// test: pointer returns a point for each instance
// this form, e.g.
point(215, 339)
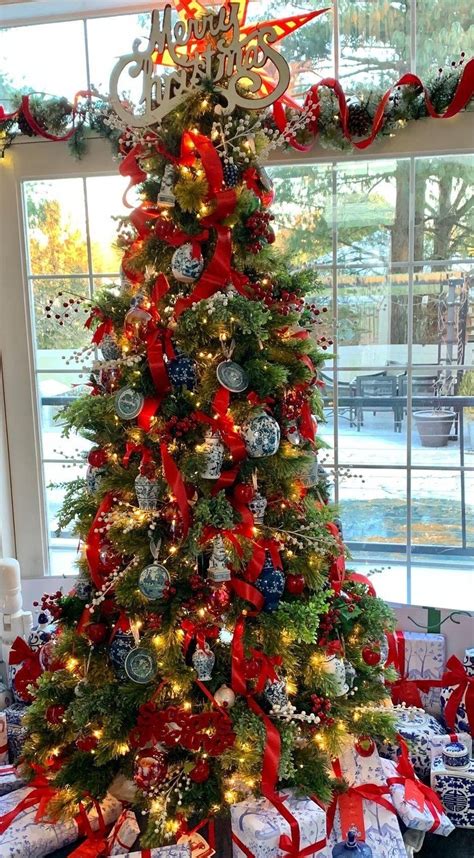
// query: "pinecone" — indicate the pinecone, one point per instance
point(359, 120)
point(231, 174)
point(23, 125)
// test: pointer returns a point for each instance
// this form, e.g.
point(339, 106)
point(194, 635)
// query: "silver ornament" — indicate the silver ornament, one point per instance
point(225, 697)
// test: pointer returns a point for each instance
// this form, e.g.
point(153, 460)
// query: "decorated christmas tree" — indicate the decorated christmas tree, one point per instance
point(215, 645)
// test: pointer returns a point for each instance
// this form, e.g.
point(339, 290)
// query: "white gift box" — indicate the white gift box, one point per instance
point(181, 850)
point(419, 731)
point(25, 838)
point(410, 812)
point(124, 833)
point(460, 722)
point(382, 830)
point(258, 825)
point(10, 780)
point(425, 657)
point(3, 739)
point(456, 791)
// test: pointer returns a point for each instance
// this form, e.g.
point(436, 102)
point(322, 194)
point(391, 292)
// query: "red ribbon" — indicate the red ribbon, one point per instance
point(199, 632)
point(257, 560)
point(38, 129)
point(130, 449)
point(225, 427)
point(266, 668)
point(130, 169)
point(158, 343)
point(461, 98)
point(41, 794)
point(150, 407)
point(415, 790)
point(96, 843)
point(253, 182)
point(350, 803)
point(404, 690)
point(106, 326)
point(210, 532)
point(30, 671)
point(95, 540)
point(463, 687)
point(175, 482)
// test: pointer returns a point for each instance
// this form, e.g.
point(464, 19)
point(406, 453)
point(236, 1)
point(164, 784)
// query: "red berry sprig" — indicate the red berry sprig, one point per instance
point(321, 707)
point(61, 308)
point(261, 233)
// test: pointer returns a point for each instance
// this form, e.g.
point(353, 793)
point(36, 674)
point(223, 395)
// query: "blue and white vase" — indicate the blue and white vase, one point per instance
point(352, 847)
point(185, 267)
point(110, 348)
point(275, 693)
point(94, 477)
point(203, 660)
point(261, 435)
point(120, 647)
point(455, 788)
point(214, 451)
point(461, 724)
point(182, 371)
point(456, 756)
point(271, 583)
point(147, 492)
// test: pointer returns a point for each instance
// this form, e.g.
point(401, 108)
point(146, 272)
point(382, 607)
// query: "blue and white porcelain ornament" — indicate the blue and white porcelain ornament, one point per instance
point(232, 376)
point(147, 490)
point(455, 788)
point(110, 348)
point(218, 569)
point(461, 722)
point(182, 371)
point(352, 847)
point(122, 643)
point(128, 403)
point(153, 581)
point(213, 449)
point(257, 507)
point(334, 666)
point(138, 314)
point(275, 693)
point(83, 589)
point(225, 697)
point(271, 584)
point(41, 632)
point(261, 435)
point(166, 198)
point(94, 477)
point(418, 729)
point(203, 660)
point(186, 265)
point(140, 666)
point(6, 696)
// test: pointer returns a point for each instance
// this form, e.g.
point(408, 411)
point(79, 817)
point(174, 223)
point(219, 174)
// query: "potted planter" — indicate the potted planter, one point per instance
point(434, 426)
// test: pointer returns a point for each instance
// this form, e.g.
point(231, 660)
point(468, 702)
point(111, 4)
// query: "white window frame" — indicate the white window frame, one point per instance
point(23, 527)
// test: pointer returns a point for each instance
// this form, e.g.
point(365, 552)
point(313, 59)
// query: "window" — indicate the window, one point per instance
point(390, 245)
point(387, 235)
point(70, 251)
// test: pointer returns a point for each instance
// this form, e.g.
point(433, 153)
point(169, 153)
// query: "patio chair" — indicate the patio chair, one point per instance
point(377, 384)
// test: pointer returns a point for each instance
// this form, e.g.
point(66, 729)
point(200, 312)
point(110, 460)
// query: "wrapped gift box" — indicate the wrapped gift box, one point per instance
point(411, 805)
point(456, 791)
point(439, 742)
point(182, 850)
point(459, 678)
point(25, 838)
point(419, 730)
point(258, 826)
point(418, 655)
point(16, 731)
point(380, 828)
point(124, 833)
point(10, 780)
point(3, 739)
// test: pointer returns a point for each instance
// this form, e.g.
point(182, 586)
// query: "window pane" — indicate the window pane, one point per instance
point(443, 304)
point(444, 29)
point(372, 212)
point(109, 38)
point(373, 505)
point(436, 417)
point(430, 574)
point(375, 41)
point(436, 508)
point(56, 225)
point(105, 205)
point(32, 57)
point(444, 207)
point(57, 389)
point(387, 572)
point(63, 546)
point(59, 320)
point(303, 212)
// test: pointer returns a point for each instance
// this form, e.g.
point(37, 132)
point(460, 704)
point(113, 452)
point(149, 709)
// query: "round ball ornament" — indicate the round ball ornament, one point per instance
point(371, 655)
point(154, 581)
point(96, 632)
point(151, 768)
point(261, 435)
point(201, 771)
point(182, 371)
point(219, 600)
point(244, 492)
point(48, 658)
point(231, 174)
point(232, 376)
point(140, 666)
point(295, 584)
point(128, 403)
point(186, 266)
point(86, 743)
point(225, 697)
point(55, 713)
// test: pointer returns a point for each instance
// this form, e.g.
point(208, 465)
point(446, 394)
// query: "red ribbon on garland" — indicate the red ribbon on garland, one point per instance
point(30, 671)
point(462, 96)
point(94, 540)
point(106, 325)
point(175, 481)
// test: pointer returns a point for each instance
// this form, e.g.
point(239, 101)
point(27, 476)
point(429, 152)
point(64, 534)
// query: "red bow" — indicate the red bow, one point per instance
point(463, 687)
point(350, 803)
point(225, 427)
point(199, 632)
point(41, 792)
point(106, 326)
point(266, 668)
point(415, 790)
point(130, 449)
point(30, 671)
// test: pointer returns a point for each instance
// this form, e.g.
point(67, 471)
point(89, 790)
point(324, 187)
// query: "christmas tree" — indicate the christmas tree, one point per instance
point(215, 645)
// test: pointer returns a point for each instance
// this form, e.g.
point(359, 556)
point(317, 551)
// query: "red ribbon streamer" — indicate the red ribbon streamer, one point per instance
point(350, 803)
point(106, 326)
point(404, 690)
point(130, 449)
point(30, 671)
point(415, 790)
point(224, 426)
point(95, 539)
point(41, 794)
point(175, 481)
point(462, 96)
